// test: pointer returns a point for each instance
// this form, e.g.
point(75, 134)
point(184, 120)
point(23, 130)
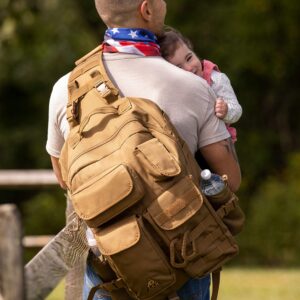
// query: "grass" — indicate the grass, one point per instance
point(260, 284)
point(246, 284)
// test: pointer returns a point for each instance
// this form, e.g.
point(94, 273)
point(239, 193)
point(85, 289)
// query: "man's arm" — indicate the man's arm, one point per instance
point(222, 159)
point(57, 172)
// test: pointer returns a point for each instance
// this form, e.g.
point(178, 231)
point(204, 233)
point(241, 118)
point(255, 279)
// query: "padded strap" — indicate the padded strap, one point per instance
point(97, 79)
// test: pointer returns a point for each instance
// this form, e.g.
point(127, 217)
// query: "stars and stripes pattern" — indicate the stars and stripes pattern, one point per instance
point(131, 40)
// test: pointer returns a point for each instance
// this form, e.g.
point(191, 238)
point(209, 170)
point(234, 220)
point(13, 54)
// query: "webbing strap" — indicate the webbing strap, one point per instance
point(216, 276)
point(173, 296)
point(87, 65)
point(98, 76)
point(197, 231)
point(107, 286)
point(221, 212)
point(225, 209)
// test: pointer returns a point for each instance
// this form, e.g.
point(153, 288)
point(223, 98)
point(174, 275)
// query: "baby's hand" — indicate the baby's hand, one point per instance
point(221, 108)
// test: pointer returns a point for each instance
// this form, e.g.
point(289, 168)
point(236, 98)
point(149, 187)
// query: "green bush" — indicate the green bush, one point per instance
point(272, 235)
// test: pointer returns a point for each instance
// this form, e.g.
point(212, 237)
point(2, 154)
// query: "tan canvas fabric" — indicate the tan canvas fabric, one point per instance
point(135, 182)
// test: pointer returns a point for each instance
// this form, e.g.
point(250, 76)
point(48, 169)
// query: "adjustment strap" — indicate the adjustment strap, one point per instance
point(225, 209)
point(216, 276)
point(173, 296)
point(107, 286)
point(203, 225)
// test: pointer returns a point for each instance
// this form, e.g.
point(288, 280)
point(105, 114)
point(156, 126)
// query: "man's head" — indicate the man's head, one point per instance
point(148, 14)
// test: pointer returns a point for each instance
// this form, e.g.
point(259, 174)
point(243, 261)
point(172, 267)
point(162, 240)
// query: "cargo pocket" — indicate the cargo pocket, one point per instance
point(198, 241)
point(107, 195)
point(136, 258)
point(157, 160)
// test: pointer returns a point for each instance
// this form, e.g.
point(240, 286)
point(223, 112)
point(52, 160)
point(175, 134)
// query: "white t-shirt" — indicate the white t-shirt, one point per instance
point(185, 97)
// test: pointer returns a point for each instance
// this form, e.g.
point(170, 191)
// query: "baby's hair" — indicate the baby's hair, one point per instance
point(170, 41)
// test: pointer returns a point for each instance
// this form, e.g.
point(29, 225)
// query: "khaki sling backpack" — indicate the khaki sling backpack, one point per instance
point(133, 180)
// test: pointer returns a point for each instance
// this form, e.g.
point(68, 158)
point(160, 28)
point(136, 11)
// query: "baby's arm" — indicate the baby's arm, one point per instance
point(229, 110)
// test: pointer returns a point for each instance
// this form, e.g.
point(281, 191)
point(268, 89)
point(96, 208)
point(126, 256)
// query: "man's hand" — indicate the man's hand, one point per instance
point(57, 172)
point(221, 108)
point(222, 159)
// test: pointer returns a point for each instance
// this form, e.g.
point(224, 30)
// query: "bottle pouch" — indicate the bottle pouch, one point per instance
point(136, 258)
point(226, 203)
point(106, 195)
point(198, 240)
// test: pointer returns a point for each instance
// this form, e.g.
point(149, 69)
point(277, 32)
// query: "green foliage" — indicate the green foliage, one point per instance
point(44, 213)
point(39, 42)
point(271, 235)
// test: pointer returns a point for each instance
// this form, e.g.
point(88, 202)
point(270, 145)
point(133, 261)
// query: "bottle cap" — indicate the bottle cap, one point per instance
point(206, 174)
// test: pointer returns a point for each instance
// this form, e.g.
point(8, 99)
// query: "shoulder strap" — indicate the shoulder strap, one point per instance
point(215, 283)
point(88, 74)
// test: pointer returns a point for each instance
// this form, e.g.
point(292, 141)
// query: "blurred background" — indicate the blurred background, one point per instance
point(255, 42)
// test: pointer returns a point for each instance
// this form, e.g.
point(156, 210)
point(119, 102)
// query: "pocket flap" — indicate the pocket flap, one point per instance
point(118, 237)
point(177, 205)
point(159, 158)
point(99, 195)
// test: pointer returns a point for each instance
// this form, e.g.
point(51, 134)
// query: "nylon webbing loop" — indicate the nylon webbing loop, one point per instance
point(107, 286)
point(225, 209)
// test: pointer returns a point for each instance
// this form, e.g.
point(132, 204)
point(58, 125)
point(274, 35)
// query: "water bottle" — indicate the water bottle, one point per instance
point(92, 242)
point(218, 193)
point(211, 184)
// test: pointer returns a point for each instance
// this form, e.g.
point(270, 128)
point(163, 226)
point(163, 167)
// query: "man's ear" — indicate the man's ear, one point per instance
point(146, 10)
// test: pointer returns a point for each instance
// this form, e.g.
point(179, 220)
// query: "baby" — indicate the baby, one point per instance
point(178, 50)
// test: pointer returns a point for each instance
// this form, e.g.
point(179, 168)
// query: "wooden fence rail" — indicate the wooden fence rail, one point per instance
point(27, 178)
point(12, 242)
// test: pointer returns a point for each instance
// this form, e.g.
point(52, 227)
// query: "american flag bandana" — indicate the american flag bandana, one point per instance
point(131, 40)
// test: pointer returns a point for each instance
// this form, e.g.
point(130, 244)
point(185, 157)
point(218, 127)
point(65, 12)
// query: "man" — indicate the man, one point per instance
point(137, 72)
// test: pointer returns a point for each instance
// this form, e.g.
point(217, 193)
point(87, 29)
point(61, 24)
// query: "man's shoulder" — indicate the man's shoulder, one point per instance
point(186, 81)
point(61, 83)
point(155, 65)
point(59, 94)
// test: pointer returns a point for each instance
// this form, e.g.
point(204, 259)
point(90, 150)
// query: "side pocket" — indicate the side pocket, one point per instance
point(136, 258)
point(177, 205)
point(198, 240)
point(106, 195)
point(157, 160)
point(228, 209)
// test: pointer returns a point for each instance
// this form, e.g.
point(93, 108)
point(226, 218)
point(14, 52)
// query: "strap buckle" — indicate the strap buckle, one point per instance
point(185, 243)
point(102, 88)
point(174, 263)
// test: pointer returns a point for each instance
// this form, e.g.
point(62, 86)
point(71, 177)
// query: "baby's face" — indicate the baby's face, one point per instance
point(186, 59)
